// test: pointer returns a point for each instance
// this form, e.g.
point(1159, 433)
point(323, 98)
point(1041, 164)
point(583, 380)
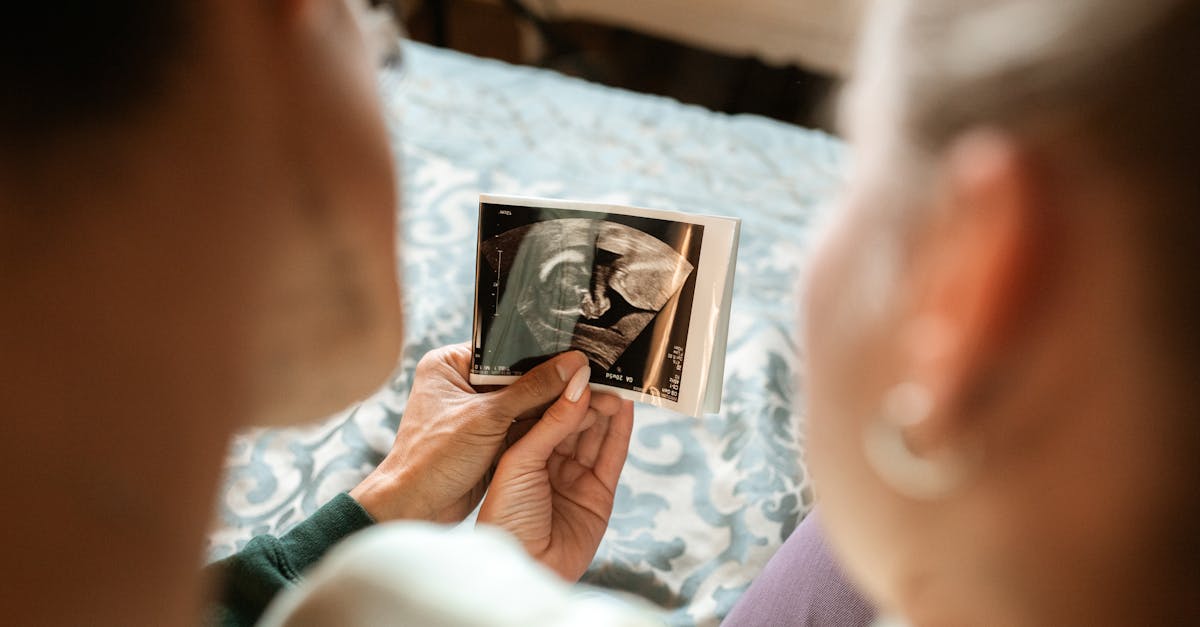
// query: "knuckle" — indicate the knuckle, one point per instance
point(589, 419)
point(438, 360)
point(537, 385)
point(555, 415)
point(605, 404)
point(428, 361)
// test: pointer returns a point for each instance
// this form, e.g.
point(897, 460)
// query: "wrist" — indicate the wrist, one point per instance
point(389, 496)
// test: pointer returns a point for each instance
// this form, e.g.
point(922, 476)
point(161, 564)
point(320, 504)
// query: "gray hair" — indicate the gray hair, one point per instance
point(1119, 78)
point(1018, 63)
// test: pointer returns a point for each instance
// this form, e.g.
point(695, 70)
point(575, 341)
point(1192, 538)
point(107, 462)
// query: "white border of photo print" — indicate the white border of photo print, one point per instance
point(645, 294)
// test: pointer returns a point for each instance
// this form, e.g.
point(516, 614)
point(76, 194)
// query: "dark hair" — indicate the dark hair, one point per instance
point(72, 63)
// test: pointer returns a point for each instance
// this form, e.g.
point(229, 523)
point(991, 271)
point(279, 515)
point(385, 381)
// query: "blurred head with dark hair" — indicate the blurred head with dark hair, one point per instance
point(197, 232)
point(68, 64)
point(1003, 326)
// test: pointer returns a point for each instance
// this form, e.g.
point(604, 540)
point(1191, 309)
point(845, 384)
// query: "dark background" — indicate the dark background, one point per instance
point(628, 59)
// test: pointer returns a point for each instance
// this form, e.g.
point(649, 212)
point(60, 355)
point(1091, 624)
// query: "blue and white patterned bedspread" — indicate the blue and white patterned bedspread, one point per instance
point(702, 504)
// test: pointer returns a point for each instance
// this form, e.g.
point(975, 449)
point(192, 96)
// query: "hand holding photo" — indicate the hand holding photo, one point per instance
point(644, 294)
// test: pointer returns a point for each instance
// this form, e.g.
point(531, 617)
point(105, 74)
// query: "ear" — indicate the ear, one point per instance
point(975, 266)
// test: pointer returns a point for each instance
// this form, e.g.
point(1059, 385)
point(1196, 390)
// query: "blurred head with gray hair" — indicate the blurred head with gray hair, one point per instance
point(1002, 324)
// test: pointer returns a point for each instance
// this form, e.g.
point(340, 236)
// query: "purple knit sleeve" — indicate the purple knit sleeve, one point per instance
point(802, 585)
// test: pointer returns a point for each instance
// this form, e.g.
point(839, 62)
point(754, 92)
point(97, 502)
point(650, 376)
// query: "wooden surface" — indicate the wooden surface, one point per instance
point(818, 34)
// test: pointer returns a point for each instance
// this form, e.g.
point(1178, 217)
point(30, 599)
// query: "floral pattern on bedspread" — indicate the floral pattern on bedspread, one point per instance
point(703, 503)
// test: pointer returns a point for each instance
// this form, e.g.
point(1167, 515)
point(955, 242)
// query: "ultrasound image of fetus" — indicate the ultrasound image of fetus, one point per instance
point(584, 284)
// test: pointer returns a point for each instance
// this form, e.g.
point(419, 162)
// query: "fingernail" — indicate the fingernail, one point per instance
point(578, 383)
point(564, 369)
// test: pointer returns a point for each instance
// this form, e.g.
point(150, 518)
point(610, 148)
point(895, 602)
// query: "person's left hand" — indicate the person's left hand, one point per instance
point(450, 435)
point(554, 488)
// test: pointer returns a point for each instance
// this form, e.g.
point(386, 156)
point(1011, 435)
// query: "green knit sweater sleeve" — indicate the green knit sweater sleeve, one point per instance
point(250, 579)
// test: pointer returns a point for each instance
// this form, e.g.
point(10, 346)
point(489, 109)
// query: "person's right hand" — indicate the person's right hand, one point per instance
point(554, 488)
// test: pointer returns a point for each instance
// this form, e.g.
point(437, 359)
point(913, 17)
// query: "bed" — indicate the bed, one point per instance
point(703, 503)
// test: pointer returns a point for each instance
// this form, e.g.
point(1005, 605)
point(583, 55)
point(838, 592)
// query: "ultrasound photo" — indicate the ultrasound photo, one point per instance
point(618, 288)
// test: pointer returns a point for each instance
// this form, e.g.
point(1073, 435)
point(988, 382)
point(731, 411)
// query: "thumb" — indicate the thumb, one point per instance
point(538, 387)
point(562, 419)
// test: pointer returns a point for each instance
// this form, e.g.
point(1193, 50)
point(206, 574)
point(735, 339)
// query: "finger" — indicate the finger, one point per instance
point(589, 419)
point(538, 387)
point(560, 421)
point(458, 356)
point(449, 363)
point(615, 448)
point(606, 404)
point(588, 448)
point(568, 447)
